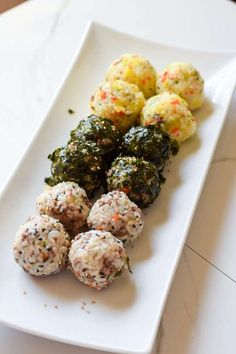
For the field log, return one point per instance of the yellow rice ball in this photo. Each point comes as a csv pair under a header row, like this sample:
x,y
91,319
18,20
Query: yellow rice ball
x,y
184,80
119,101
171,113
136,70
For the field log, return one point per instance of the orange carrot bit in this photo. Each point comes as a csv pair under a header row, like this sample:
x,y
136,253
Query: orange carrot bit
x,y
174,102
45,256
113,99
121,113
175,131
116,217
126,190
103,95
143,81
100,228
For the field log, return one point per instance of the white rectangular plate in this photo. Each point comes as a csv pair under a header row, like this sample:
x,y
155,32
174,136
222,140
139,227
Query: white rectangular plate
x,y
125,317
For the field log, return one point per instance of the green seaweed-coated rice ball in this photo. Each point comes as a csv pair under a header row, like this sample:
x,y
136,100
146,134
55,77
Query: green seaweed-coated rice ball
x,y
80,162
99,130
151,143
138,178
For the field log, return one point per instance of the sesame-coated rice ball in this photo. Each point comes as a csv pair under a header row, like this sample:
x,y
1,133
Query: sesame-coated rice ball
x,y
97,257
171,113
66,202
41,246
134,69
184,80
114,212
119,101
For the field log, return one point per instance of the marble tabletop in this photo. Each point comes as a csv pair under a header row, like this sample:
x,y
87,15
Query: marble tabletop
x,y
37,41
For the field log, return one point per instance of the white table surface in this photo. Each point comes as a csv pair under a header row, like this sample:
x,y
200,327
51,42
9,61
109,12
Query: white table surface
x,y
37,42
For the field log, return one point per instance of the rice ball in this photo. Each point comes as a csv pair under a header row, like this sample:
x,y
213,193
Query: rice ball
x,y
151,143
134,69
184,80
119,101
97,257
99,130
41,246
114,212
171,113
80,162
66,202
138,178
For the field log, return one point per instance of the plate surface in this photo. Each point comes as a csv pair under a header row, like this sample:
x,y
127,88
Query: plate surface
x,y
125,317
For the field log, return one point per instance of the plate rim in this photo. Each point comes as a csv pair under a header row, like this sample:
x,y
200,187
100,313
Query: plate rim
x,y
163,44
